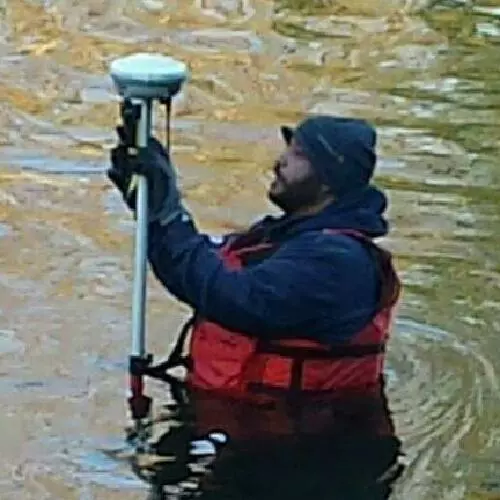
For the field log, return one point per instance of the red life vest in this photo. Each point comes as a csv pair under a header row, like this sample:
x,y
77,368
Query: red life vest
x,y
250,367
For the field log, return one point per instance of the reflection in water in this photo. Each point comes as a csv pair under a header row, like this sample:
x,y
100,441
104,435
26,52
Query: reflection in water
x,y
343,448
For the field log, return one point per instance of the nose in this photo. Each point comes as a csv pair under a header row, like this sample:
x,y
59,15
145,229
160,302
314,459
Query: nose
x,y
279,164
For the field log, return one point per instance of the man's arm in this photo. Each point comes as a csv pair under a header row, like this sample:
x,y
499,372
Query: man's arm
x,y
305,286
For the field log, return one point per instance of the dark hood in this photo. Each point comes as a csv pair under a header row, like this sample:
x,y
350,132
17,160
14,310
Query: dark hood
x,y
362,211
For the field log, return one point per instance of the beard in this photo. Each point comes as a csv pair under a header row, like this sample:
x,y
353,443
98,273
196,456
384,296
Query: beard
x,y
294,196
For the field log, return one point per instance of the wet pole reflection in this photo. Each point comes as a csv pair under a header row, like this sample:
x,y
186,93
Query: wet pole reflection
x,y
343,447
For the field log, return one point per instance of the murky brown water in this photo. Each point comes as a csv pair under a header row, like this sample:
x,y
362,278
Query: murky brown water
x,y
431,83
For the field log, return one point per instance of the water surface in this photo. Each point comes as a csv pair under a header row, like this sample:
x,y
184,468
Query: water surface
x,y
427,77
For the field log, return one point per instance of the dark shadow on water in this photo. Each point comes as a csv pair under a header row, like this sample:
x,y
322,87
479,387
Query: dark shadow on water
x,y
342,448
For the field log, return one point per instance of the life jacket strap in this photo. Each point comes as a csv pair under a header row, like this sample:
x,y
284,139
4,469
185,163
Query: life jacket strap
x,y
176,357
299,355
330,352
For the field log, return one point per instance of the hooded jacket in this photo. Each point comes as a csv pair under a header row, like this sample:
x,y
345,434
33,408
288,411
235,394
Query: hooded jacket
x,y
321,283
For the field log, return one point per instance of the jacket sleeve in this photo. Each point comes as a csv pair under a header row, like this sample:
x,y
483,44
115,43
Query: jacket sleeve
x,y
305,284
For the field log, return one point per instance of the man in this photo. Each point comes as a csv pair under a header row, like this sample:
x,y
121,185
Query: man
x,y
301,302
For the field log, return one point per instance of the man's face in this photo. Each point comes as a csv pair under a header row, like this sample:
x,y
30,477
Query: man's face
x,y
295,185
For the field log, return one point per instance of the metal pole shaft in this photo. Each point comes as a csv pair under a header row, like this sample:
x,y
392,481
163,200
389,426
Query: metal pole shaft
x,y
141,239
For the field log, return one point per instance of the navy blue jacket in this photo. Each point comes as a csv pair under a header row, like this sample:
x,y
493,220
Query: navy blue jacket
x,y
320,285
